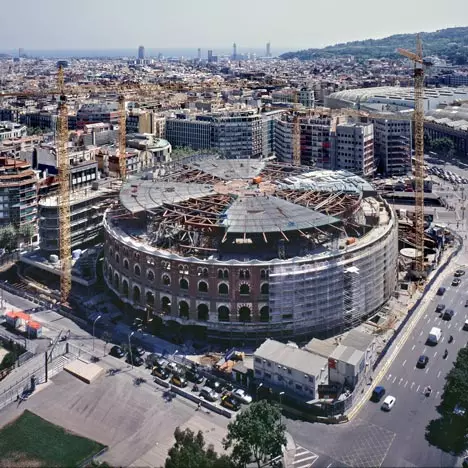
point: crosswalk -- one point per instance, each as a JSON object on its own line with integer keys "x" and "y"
{"x": 303, "y": 458}
{"x": 412, "y": 386}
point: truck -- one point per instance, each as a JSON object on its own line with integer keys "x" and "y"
{"x": 434, "y": 335}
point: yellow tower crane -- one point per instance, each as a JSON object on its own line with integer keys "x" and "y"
{"x": 63, "y": 165}
{"x": 418, "y": 119}
{"x": 296, "y": 133}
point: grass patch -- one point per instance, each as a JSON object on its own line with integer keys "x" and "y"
{"x": 34, "y": 442}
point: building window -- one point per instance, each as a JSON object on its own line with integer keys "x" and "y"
{"x": 203, "y": 286}
{"x": 203, "y": 312}
{"x": 165, "y": 305}
{"x": 136, "y": 294}
{"x": 264, "y": 288}
{"x": 263, "y": 274}
{"x": 267, "y": 375}
{"x": 183, "y": 283}
{"x": 258, "y": 360}
{"x": 244, "y": 289}
{"x": 116, "y": 281}
{"x": 298, "y": 387}
{"x": 223, "y": 314}
{"x": 150, "y": 275}
{"x": 137, "y": 270}
{"x": 125, "y": 288}
{"x": 226, "y": 274}
{"x": 220, "y": 274}
{"x": 150, "y": 298}
{"x": 245, "y": 314}
{"x": 223, "y": 288}
{"x": 166, "y": 279}
{"x": 117, "y": 258}
{"x": 244, "y": 274}
{"x": 265, "y": 314}
{"x": 183, "y": 310}
{"x": 289, "y": 371}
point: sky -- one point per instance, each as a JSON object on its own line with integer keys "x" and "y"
{"x": 288, "y": 24}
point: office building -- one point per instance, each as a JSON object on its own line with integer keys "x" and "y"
{"x": 268, "y": 49}
{"x": 96, "y": 113}
{"x": 12, "y": 130}
{"x": 141, "y": 53}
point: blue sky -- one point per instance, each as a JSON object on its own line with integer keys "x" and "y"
{"x": 102, "y": 24}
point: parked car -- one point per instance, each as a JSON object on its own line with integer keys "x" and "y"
{"x": 378, "y": 393}
{"x": 465, "y": 325}
{"x": 151, "y": 360}
{"x": 456, "y": 281}
{"x": 160, "y": 372}
{"x": 136, "y": 360}
{"x": 242, "y": 396}
{"x": 448, "y": 314}
{"x": 388, "y": 403}
{"x": 459, "y": 273}
{"x": 208, "y": 394}
{"x": 179, "y": 381}
{"x": 230, "y": 402}
{"x": 440, "y": 307}
{"x": 194, "y": 377}
{"x": 422, "y": 361}
{"x": 215, "y": 385}
{"x": 117, "y": 351}
{"x": 138, "y": 350}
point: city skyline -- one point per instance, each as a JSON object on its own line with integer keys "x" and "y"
{"x": 209, "y": 25}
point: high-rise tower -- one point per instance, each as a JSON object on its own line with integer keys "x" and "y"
{"x": 199, "y": 54}
{"x": 141, "y": 52}
{"x": 268, "y": 49}
{"x": 234, "y": 51}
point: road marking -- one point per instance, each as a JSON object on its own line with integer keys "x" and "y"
{"x": 425, "y": 316}
{"x": 404, "y": 362}
{"x": 438, "y": 375}
{"x": 424, "y": 350}
{"x": 394, "y": 378}
{"x": 401, "y": 380}
{"x": 418, "y": 388}
{"x": 437, "y": 394}
{"x": 388, "y": 376}
{"x": 427, "y": 370}
{"x": 412, "y": 385}
{"x": 414, "y": 346}
{"x": 421, "y": 333}
{"x": 442, "y": 340}
{"x": 435, "y": 354}
{"x": 406, "y": 383}
{"x": 449, "y": 325}
{"x": 329, "y": 465}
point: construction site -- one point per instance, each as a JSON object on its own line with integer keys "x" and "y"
{"x": 248, "y": 249}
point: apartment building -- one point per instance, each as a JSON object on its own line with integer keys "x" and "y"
{"x": 11, "y": 130}
{"x": 392, "y": 146}
{"x": 354, "y": 148}
{"x": 285, "y": 367}
{"x": 97, "y": 112}
{"x": 45, "y": 120}
{"x": 182, "y": 131}
{"x": 18, "y": 192}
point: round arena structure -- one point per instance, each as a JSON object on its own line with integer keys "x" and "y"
{"x": 247, "y": 249}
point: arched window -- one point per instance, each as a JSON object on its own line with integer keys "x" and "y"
{"x": 245, "y": 315}
{"x": 117, "y": 258}
{"x": 205, "y": 272}
{"x": 242, "y": 274}
{"x": 150, "y": 299}
{"x": 105, "y": 268}
{"x": 125, "y": 287}
{"x": 203, "y": 286}
{"x": 150, "y": 275}
{"x": 183, "y": 310}
{"x": 263, "y": 274}
{"x": 136, "y": 294}
{"x": 165, "y": 305}
{"x": 223, "y": 288}
{"x": 137, "y": 270}
{"x": 183, "y": 283}
{"x": 247, "y": 274}
{"x": 220, "y": 274}
{"x": 223, "y": 314}
{"x": 265, "y": 314}
{"x": 125, "y": 263}
{"x": 166, "y": 280}
{"x": 264, "y": 288}
{"x": 116, "y": 281}
{"x": 226, "y": 274}
{"x": 109, "y": 273}
{"x": 203, "y": 312}
{"x": 244, "y": 289}
{"x": 111, "y": 252}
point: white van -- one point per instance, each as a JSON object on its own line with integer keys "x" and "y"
{"x": 434, "y": 335}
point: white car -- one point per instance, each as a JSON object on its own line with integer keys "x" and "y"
{"x": 388, "y": 403}
{"x": 242, "y": 395}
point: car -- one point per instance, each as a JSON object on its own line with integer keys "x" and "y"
{"x": 242, "y": 396}
{"x": 422, "y": 361}
{"x": 135, "y": 360}
{"x": 441, "y": 291}
{"x": 228, "y": 401}
{"x": 388, "y": 403}
{"x": 215, "y": 385}
{"x": 440, "y": 307}
{"x": 160, "y": 372}
{"x": 138, "y": 350}
{"x": 116, "y": 351}
{"x": 448, "y": 314}
{"x": 194, "y": 377}
{"x": 459, "y": 273}
{"x": 208, "y": 394}
{"x": 465, "y": 325}
{"x": 466, "y": 303}
{"x": 456, "y": 281}
{"x": 377, "y": 394}
{"x": 151, "y": 360}
{"x": 179, "y": 381}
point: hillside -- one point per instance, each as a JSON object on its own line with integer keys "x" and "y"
{"x": 451, "y": 43}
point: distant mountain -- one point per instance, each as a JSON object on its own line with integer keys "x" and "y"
{"x": 451, "y": 43}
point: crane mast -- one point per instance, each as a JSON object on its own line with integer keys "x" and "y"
{"x": 122, "y": 138}
{"x": 63, "y": 164}
{"x": 418, "y": 119}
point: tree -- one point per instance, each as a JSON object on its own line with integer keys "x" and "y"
{"x": 443, "y": 145}
{"x": 256, "y": 434}
{"x": 26, "y": 231}
{"x": 189, "y": 452}
{"x": 8, "y": 360}
{"x": 8, "y": 237}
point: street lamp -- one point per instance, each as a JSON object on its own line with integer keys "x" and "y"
{"x": 130, "y": 347}
{"x": 280, "y": 395}
{"x": 94, "y": 323}
{"x": 258, "y": 388}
